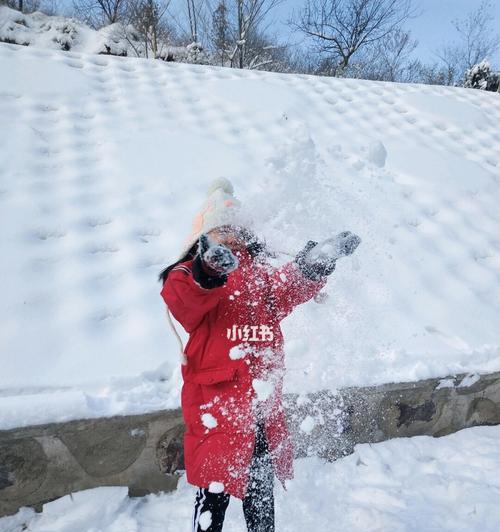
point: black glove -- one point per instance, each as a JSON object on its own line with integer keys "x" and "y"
{"x": 217, "y": 258}
{"x": 310, "y": 270}
{"x": 213, "y": 263}
{"x": 318, "y": 260}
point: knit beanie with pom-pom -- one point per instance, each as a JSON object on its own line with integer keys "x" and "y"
{"x": 220, "y": 208}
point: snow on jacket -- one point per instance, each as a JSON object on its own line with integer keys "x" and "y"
{"x": 234, "y": 374}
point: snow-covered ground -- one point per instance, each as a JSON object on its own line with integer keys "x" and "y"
{"x": 63, "y": 33}
{"x": 421, "y": 484}
{"x": 105, "y": 160}
{"x": 60, "y": 33}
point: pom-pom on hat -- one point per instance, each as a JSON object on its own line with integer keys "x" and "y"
{"x": 220, "y": 208}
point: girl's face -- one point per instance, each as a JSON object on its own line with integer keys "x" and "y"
{"x": 229, "y": 237}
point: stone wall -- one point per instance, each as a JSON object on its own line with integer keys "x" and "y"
{"x": 41, "y": 463}
{"x": 144, "y": 452}
{"x": 433, "y": 407}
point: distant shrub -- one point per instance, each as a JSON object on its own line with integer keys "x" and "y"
{"x": 480, "y": 76}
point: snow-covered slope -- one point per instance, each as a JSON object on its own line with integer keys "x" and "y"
{"x": 449, "y": 484}
{"x": 64, "y": 33}
{"x": 104, "y": 161}
{"x": 60, "y": 33}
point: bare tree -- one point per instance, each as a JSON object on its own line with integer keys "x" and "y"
{"x": 389, "y": 59}
{"x": 51, "y": 7}
{"x": 192, "y": 19}
{"x": 340, "y": 28}
{"x": 220, "y": 34}
{"x": 98, "y": 13}
{"x": 301, "y": 60}
{"x": 194, "y": 22}
{"x": 264, "y": 52}
{"x": 250, "y": 14}
{"x": 394, "y": 57}
{"x": 238, "y": 36}
{"x": 476, "y": 40}
{"x": 147, "y": 18}
{"x": 25, "y": 6}
{"x": 430, "y": 74}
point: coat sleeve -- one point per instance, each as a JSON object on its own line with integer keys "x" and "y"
{"x": 186, "y": 299}
{"x": 289, "y": 288}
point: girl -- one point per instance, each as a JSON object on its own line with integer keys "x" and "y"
{"x": 231, "y": 302}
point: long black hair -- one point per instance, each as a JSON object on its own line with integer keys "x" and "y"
{"x": 255, "y": 247}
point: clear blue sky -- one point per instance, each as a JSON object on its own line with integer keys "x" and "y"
{"x": 432, "y": 28}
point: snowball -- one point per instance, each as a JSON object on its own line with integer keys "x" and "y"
{"x": 263, "y": 389}
{"x": 216, "y": 487}
{"x": 307, "y": 424}
{"x": 236, "y": 352}
{"x": 377, "y": 154}
{"x": 209, "y": 421}
{"x": 205, "y": 520}
{"x": 283, "y": 277}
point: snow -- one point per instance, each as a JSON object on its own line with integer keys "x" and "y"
{"x": 205, "y": 520}
{"x": 469, "y": 380}
{"x": 308, "y": 424}
{"x": 448, "y": 484}
{"x": 148, "y": 392}
{"x": 209, "y": 421}
{"x": 63, "y": 33}
{"x": 60, "y": 33}
{"x": 377, "y": 154}
{"x": 262, "y": 388}
{"x": 107, "y": 160}
{"x": 445, "y": 383}
{"x": 237, "y": 352}
{"x": 216, "y": 487}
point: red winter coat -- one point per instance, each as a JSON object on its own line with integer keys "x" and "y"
{"x": 225, "y": 390}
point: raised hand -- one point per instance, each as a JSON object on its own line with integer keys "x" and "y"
{"x": 317, "y": 260}
{"x": 334, "y": 248}
{"x": 216, "y": 257}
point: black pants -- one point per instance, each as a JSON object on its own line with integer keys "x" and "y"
{"x": 258, "y": 504}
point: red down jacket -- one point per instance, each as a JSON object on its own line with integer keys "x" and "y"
{"x": 234, "y": 373}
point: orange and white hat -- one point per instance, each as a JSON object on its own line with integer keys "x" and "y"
{"x": 220, "y": 208}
